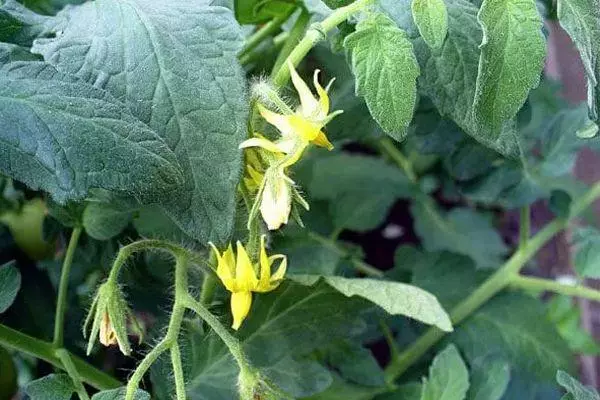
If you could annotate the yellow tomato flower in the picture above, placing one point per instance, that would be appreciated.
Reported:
(302, 127)
(238, 275)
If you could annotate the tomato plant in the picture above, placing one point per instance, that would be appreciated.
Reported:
(292, 199)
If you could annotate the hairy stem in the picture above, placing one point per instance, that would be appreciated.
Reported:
(37, 348)
(265, 31)
(292, 40)
(230, 341)
(170, 339)
(65, 358)
(388, 148)
(178, 372)
(539, 284)
(61, 302)
(314, 35)
(504, 277)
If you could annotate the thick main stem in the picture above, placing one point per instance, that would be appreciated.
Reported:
(507, 274)
(37, 348)
(61, 302)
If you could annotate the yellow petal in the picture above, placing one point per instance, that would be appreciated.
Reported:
(323, 96)
(262, 143)
(279, 121)
(224, 266)
(280, 273)
(294, 155)
(240, 307)
(245, 277)
(310, 105)
(322, 141)
(304, 128)
(107, 336)
(265, 266)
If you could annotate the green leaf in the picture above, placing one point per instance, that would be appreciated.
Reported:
(431, 17)
(355, 364)
(49, 143)
(587, 252)
(513, 326)
(448, 377)
(565, 313)
(461, 230)
(306, 255)
(12, 52)
(173, 63)
(10, 282)
(365, 189)
(342, 390)
(104, 221)
(337, 3)
(489, 379)
(119, 394)
(48, 7)
(449, 75)
(386, 70)
(21, 26)
(574, 388)
(51, 387)
(260, 11)
(581, 20)
(513, 50)
(394, 297)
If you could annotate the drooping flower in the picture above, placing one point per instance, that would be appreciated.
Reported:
(276, 198)
(238, 275)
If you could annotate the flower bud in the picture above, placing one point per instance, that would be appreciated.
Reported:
(276, 201)
(109, 313)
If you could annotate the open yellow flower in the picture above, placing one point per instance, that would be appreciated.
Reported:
(238, 275)
(302, 127)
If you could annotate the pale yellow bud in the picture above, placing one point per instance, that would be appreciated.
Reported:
(276, 201)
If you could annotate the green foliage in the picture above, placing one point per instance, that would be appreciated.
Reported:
(175, 69)
(575, 390)
(10, 282)
(431, 17)
(104, 221)
(415, 302)
(386, 70)
(51, 387)
(448, 377)
(256, 11)
(566, 315)
(489, 379)
(581, 20)
(587, 248)
(513, 49)
(118, 394)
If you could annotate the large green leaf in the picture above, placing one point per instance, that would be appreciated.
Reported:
(104, 221)
(364, 190)
(385, 68)
(259, 11)
(355, 363)
(514, 327)
(461, 230)
(48, 6)
(394, 297)
(173, 63)
(581, 20)
(448, 377)
(489, 379)
(587, 252)
(431, 17)
(64, 136)
(51, 387)
(10, 282)
(449, 74)
(20, 25)
(119, 394)
(575, 390)
(513, 50)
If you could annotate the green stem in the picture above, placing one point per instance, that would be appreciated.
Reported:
(37, 348)
(315, 34)
(61, 302)
(524, 226)
(265, 31)
(540, 285)
(209, 284)
(65, 358)
(230, 341)
(178, 372)
(504, 277)
(388, 148)
(359, 265)
(170, 339)
(292, 40)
